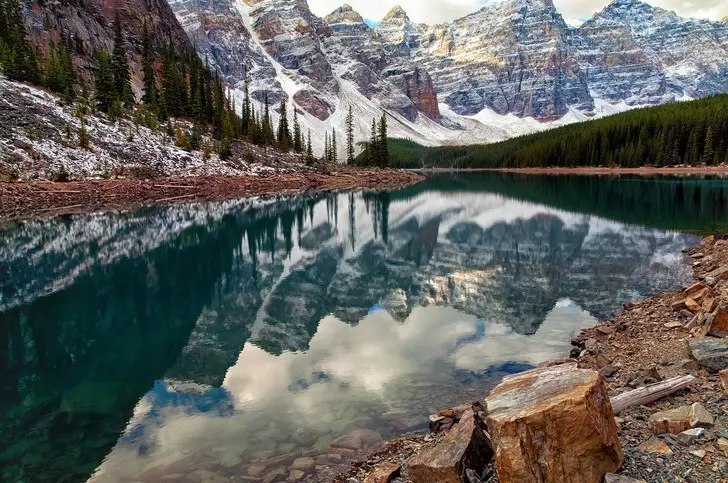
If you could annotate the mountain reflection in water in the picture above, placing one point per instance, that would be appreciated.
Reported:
(192, 339)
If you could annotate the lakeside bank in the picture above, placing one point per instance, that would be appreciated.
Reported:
(600, 171)
(27, 200)
(682, 437)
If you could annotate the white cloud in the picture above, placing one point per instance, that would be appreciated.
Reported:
(435, 11)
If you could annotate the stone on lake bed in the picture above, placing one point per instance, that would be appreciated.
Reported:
(357, 439)
(465, 447)
(304, 463)
(295, 475)
(553, 424)
(711, 353)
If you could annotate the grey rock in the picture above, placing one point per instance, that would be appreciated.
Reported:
(691, 436)
(710, 353)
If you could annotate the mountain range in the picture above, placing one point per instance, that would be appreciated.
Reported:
(511, 68)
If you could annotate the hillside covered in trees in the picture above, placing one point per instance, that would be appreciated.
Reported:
(694, 132)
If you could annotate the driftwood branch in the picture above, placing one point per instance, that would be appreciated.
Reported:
(651, 393)
(176, 198)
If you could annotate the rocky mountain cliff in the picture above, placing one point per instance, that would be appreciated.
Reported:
(512, 67)
(87, 24)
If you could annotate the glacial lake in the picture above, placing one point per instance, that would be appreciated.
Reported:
(188, 343)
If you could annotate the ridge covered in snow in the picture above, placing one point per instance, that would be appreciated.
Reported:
(511, 68)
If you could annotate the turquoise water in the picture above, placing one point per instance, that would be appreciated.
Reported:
(191, 342)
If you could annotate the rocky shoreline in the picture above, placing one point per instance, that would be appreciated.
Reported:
(682, 437)
(26, 200)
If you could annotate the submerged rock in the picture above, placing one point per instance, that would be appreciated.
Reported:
(553, 424)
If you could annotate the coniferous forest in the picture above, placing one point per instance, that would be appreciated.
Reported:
(184, 88)
(694, 132)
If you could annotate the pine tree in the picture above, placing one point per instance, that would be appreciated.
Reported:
(284, 133)
(297, 137)
(266, 128)
(246, 112)
(373, 145)
(150, 97)
(120, 65)
(383, 144)
(309, 149)
(105, 91)
(334, 150)
(350, 137)
(327, 155)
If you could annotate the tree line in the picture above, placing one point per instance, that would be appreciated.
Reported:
(694, 132)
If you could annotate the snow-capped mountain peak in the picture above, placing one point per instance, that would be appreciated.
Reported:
(510, 68)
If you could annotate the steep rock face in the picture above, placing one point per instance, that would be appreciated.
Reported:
(511, 56)
(663, 55)
(418, 86)
(360, 57)
(88, 24)
(291, 35)
(219, 34)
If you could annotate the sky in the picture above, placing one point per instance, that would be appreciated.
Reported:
(574, 11)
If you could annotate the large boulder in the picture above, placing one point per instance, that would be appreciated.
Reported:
(711, 354)
(553, 424)
(465, 447)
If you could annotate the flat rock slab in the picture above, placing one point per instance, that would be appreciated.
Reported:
(711, 353)
(552, 425)
(465, 447)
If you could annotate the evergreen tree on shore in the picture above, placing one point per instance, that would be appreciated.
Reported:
(309, 149)
(297, 137)
(334, 151)
(284, 132)
(350, 137)
(383, 144)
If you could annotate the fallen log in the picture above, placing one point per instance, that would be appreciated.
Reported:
(650, 393)
(176, 198)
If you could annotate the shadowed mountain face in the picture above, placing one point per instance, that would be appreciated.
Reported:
(247, 329)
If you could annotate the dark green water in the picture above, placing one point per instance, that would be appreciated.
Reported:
(188, 341)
